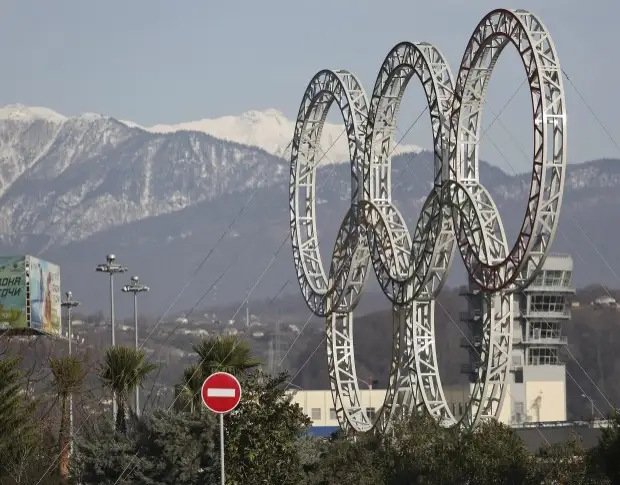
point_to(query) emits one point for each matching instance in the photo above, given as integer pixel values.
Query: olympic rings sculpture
(459, 213)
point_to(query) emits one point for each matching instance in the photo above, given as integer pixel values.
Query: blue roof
(323, 431)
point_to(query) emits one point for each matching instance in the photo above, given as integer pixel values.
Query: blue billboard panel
(44, 296)
(13, 292)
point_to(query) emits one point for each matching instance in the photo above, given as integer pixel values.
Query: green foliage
(262, 432)
(68, 379)
(225, 354)
(68, 374)
(491, 454)
(423, 452)
(24, 443)
(17, 421)
(166, 448)
(124, 369)
(188, 397)
(604, 459)
(565, 463)
(360, 461)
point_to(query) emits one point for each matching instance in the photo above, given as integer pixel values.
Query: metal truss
(458, 213)
(325, 88)
(544, 76)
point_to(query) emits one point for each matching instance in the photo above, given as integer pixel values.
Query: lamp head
(134, 279)
(110, 258)
(69, 295)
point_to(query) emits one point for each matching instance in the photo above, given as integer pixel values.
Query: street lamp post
(70, 303)
(373, 382)
(111, 268)
(591, 405)
(135, 287)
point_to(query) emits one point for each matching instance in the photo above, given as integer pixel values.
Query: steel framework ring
(404, 265)
(325, 88)
(494, 339)
(537, 51)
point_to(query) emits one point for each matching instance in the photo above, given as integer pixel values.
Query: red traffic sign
(221, 392)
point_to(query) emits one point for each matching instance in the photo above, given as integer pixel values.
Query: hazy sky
(171, 61)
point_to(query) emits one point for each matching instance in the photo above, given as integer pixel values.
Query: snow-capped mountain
(75, 188)
(269, 130)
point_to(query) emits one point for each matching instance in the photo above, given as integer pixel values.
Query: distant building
(604, 302)
(537, 382)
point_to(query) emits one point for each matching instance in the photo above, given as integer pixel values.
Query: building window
(316, 414)
(566, 280)
(519, 416)
(545, 330)
(371, 412)
(517, 361)
(460, 409)
(332, 414)
(519, 376)
(543, 356)
(553, 277)
(549, 303)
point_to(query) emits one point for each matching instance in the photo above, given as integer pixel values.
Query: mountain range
(164, 198)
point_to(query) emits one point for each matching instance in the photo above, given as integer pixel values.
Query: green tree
(68, 379)
(225, 354)
(17, 423)
(188, 396)
(359, 460)
(564, 463)
(604, 459)
(422, 452)
(124, 370)
(262, 434)
(25, 443)
(165, 448)
(493, 453)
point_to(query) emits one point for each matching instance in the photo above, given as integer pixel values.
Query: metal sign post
(221, 393)
(223, 475)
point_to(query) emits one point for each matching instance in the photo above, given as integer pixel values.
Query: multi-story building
(537, 382)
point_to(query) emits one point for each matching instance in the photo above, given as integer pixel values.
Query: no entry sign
(221, 392)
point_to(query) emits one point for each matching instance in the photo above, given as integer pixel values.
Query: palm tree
(16, 412)
(188, 396)
(123, 371)
(225, 354)
(68, 379)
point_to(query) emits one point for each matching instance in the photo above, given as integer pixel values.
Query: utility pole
(70, 303)
(111, 268)
(135, 287)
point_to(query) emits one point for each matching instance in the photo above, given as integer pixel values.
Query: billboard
(44, 296)
(13, 292)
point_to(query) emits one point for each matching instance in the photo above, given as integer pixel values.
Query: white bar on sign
(211, 392)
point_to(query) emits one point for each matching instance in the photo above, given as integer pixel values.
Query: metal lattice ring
(544, 75)
(403, 266)
(325, 88)
(495, 344)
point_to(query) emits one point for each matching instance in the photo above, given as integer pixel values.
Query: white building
(319, 406)
(537, 382)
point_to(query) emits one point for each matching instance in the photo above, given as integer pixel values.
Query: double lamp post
(111, 267)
